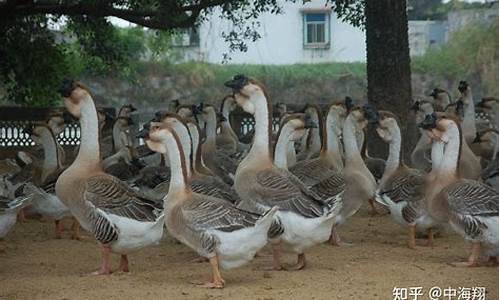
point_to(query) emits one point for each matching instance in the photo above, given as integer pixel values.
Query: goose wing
(115, 197)
(405, 185)
(281, 188)
(215, 187)
(472, 198)
(209, 213)
(330, 187)
(469, 202)
(311, 171)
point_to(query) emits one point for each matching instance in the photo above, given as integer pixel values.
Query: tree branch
(182, 17)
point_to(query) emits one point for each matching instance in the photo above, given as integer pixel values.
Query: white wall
(281, 40)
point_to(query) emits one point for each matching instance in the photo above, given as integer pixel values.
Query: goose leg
(21, 217)
(75, 228)
(59, 228)
(277, 257)
(217, 281)
(374, 211)
(301, 262)
(123, 263)
(106, 261)
(335, 238)
(430, 238)
(411, 236)
(473, 258)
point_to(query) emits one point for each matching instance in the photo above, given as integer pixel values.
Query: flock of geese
(227, 199)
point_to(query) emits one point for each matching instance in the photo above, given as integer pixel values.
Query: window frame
(327, 29)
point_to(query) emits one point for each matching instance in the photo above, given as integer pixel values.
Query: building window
(316, 30)
(186, 38)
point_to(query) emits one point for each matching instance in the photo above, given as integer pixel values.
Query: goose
(312, 171)
(121, 133)
(126, 111)
(124, 164)
(293, 127)
(401, 188)
(44, 201)
(441, 99)
(489, 105)
(489, 174)
(218, 162)
(469, 117)
(227, 236)
(202, 180)
(9, 209)
(311, 144)
(470, 164)
(485, 144)
(121, 219)
(306, 218)
(357, 183)
(227, 140)
(470, 207)
(420, 156)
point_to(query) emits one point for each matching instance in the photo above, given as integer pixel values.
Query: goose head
(487, 138)
(104, 118)
(294, 126)
(56, 122)
(441, 98)
(487, 104)
(154, 137)
(248, 92)
(422, 108)
(281, 108)
(465, 92)
(440, 126)
(126, 110)
(39, 131)
(76, 95)
(185, 111)
(387, 127)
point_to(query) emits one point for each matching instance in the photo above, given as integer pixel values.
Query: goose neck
(281, 149)
(88, 155)
(351, 147)
(451, 154)
(178, 164)
(394, 158)
(261, 144)
(50, 153)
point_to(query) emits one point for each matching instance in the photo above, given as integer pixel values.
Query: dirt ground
(34, 265)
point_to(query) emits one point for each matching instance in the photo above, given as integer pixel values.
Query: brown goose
(306, 218)
(121, 219)
(227, 236)
(470, 207)
(311, 142)
(401, 188)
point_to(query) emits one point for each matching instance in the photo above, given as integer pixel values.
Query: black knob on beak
(370, 113)
(429, 122)
(67, 86)
(237, 83)
(462, 86)
(349, 103)
(416, 106)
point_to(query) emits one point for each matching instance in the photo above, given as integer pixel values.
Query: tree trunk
(388, 70)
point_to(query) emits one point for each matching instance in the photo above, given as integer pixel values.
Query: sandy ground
(34, 265)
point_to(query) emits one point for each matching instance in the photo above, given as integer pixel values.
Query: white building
(304, 33)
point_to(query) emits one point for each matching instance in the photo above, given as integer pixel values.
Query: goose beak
(237, 83)
(462, 86)
(416, 106)
(429, 122)
(66, 88)
(132, 108)
(349, 104)
(371, 114)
